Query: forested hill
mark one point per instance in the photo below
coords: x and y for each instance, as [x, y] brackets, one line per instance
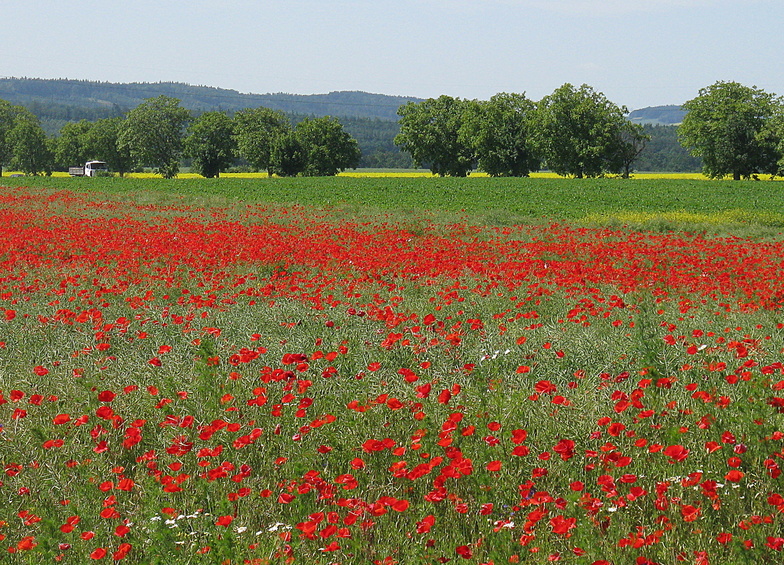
[658, 115]
[115, 98]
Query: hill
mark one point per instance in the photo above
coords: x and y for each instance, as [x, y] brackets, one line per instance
[114, 97]
[658, 115]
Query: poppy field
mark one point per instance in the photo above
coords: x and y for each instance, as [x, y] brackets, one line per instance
[263, 384]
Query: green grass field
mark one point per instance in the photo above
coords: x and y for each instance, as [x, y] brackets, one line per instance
[750, 208]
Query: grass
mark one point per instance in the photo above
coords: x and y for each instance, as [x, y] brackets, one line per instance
[656, 203]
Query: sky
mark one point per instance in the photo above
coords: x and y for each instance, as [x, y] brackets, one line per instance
[638, 53]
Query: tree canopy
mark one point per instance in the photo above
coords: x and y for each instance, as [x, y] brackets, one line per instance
[288, 157]
[499, 131]
[153, 134]
[30, 148]
[71, 148]
[255, 131]
[577, 131]
[731, 127]
[23, 143]
[7, 118]
[211, 144]
[630, 141]
[329, 148]
[430, 131]
[728, 129]
[103, 145]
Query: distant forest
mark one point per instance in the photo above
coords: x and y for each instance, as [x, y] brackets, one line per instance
[663, 153]
[370, 118]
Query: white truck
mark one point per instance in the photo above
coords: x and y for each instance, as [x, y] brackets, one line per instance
[90, 169]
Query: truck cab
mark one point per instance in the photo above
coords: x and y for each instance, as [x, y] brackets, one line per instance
[94, 168]
[90, 169]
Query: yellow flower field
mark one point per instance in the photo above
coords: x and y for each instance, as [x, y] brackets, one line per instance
[408, 173]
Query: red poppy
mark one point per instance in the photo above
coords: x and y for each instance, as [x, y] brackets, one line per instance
[690, 513]
[424, 525]
[106, 396]
[676, 453]
[734, 476]
[562, 525]
[724, 538]
[224, 521]
[26, 543]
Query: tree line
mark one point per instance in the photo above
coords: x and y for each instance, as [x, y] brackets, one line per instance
[573, 131]
[734, 129]
[376, 136]
[728, 129]
[159, 133]
[370, 118]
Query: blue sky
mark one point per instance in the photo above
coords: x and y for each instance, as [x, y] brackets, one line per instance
[637, 52]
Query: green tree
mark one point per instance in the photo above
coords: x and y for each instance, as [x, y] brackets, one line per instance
[777, 129]
[499, 131]
[71, 148]
[430, 132]
[103, 145]
[329, 148]
[211, 144]
[630, 142]
[577, 131]
[288, 157]
[30, 147]
[7, 119]
[731, 127]
[152, 133]
[255, 131]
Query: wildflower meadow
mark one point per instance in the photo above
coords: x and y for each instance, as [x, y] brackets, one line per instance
[249, 383]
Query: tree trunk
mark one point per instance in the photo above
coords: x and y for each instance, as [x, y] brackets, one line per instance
[736, 175]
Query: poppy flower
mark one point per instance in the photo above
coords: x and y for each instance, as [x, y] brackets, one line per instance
[676, 453]
[690, 513]
[424, 525]
[224, 521]
[106, 396]
[563, 526]
[494, 466]
[26, 543]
